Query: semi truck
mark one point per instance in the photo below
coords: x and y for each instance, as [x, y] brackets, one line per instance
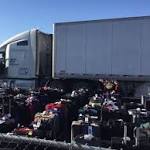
[25, 59]
[83, 51]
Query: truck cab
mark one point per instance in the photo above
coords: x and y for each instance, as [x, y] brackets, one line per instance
[23, 58]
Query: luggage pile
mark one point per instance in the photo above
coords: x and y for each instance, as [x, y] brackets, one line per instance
[95, 117]
[109, 120]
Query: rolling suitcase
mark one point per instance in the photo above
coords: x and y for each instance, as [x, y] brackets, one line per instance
[85, 133]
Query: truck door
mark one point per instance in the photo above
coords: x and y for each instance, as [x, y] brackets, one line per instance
[17, 60]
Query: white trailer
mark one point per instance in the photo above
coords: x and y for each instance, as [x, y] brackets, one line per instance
[109, 48]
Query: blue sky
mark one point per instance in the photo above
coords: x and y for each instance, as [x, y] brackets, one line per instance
[19, 15]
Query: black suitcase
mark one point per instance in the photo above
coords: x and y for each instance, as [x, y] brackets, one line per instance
[7, 124]
[85, 133]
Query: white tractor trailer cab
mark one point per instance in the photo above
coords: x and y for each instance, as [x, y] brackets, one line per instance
[24, 59]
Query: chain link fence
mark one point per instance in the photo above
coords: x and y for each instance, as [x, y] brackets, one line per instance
[13, 142]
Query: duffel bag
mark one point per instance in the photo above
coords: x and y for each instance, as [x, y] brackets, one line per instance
[54, 106]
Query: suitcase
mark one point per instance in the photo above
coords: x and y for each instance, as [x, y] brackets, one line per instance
[48, 123]
[7, 123]
[6, 104]
[20, 110]
[42, 118]
[33, 105]
[85, 133]
[116, 142]
[142, 135]
[54, 106]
